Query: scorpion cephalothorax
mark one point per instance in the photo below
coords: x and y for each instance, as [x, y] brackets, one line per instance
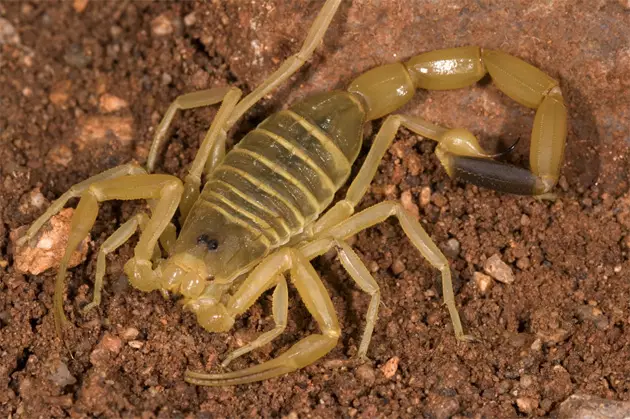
[258, 214]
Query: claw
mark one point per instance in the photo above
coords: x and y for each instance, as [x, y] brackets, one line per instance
[303, 353]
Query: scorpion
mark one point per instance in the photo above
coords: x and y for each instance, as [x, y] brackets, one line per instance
[263, 210]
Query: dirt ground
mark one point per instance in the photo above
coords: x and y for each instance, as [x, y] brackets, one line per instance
[562, 327]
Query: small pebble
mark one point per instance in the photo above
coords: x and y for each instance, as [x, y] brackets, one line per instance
[527, 404]
[8, 34]
[60, 92]
[60, 154]
[414, 164]
[62, 376]
[46, 249]
[526, 381]
[162, 26]
[425, 196]
[130, 333]
[398, 267]
[442, 407]
[536, 345]
[106, 128]
[76, 57]
[110, 103]
[80, 5]
[373, 266]
[584, 406]
[498, 269]
[111, 343]
[406, 199]
[594, 315]
[451, 248]
[136, 344]
[365, 373]
[200, 79]
[439, 199]
[390, 367]
[166, 79]
[37, 199]
[190, 19]
[525, 220]
[483, 281]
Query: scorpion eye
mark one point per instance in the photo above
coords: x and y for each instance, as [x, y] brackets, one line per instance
[211, 244]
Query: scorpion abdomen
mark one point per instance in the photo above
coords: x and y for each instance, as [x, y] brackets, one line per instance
[284, 173]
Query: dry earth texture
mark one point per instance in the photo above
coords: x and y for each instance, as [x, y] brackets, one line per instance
[82, 87]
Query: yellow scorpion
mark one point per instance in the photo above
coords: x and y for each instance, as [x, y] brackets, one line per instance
[260, 214]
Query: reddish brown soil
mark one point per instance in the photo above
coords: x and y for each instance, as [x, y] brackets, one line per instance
[562, 327]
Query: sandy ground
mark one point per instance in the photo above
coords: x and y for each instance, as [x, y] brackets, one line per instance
[82, 87]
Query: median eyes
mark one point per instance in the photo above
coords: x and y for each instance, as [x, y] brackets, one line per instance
[210, 243]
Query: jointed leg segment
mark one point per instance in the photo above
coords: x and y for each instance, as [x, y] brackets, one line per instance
[266, 275]
[165, 189]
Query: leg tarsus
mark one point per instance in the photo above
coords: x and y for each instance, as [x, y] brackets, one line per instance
[418, 237]
[303, 353]
[113, 242]
[280, 314]
[316, 300]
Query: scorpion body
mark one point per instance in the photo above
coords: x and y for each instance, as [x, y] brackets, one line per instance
[263, 210]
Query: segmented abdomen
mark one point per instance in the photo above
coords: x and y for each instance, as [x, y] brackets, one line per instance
[285, 172]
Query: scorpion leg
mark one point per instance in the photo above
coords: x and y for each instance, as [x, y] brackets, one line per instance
[210, 152]
[164, 188]
[360, 184]
[418, 237]
[213, 143]
[76, 191]
[292, 64]
[359, 274]
[280, 314]
[113, 242]
[316, 300]
[187, 101]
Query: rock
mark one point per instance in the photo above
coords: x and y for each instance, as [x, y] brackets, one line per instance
[106, 128]
[406, 199]
[483, 281]
[583, 406]
[200, 79]
[136, 344]
[592, 314]
[498, 269]
[46, 249]
[425, 196]
[365, 373]
[190, 19]
[439, 199]
[398, 267]
[527, 404]
[60, 154]
[111, 343]
[108, 346]
[442, 407]
[8, 34]
[451, 248]
[130, 333]
[161, 26]
[76, 57]
[60, 93]
[62, 376]
[110, 103]
[390, 367]
[79, 5]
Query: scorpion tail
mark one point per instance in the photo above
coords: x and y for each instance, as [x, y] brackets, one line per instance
[303, 353]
